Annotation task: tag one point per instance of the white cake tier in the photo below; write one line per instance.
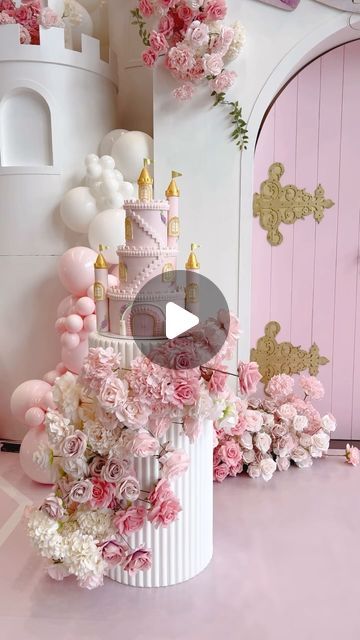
(127, 347)
(183, 549)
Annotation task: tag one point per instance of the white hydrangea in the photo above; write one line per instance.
(44, 533)
(96, 523)
(57, 428)
(66, 394)
(238, 42)
(100, 439)
(84, 557)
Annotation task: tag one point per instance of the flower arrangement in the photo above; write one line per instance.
(196, 47)
(106, 419)
(271, 433)
(29, 15)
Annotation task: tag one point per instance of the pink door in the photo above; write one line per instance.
(310, 283)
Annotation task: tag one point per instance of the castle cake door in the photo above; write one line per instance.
(306, 228)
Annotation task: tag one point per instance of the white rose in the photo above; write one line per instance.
(254, 421)
(262, 441)
(301, 457)
(268, 420)
(197, 34)
(246, 440)
(267, 468)
(328, 423)
(254, 471)
(300, 423)
(287, 411)
(305, 440)
(213, 64)
(249, 456)
(283, 463)
(57, 428)
(321, 441)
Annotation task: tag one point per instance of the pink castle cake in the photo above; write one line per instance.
(152, 236)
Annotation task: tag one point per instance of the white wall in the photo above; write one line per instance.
(216, 205)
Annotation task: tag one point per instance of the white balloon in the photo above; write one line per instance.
(116, 200)
(109, 174)
(94, 171)
(109, 140)
(92, 157)
(129, 152)
(107, 162)
(78, 208)
(118, 175)
(127, 190)
(90, 5)
(108, 228)
(109, 187)
(85, 25)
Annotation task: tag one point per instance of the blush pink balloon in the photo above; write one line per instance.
(47, 401)
(50, 377)
(66, 305)
(34, 417)
(60, 368)
(26, 395)
(70, 340)
(83, 335)
(90, 323)
(90, 292)
(35, 439)
(85, 306)
(76, 269)
(74, 323)
(113, 281)
(60, 325)
(73, 358)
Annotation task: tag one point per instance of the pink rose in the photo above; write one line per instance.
(113, 392)
(130, 520)
(197, 34)
(222, 42)
(7, 5)
(221, 472)
(158, 42)
(312, 387)
(149, 57)
(49, 18)
(159, 426)
(215, 9)
(197, 71)
(129, 488)
(213, 64)
(25, 36)
(165, 512)
(23, 14)
(180, 58)
(352, 455)
(113, 552)
(146, 8)
(287, 411)
(143, 444)
(81, 491)
(96, 466)
(184, 93)
(217, 381)
(166, 26)
(174, 463)
(132, 413)
(162, 491)
(114, 470)
(185, 14)
(53, 506)
(249, 376)
(223, 82)
(231, 454)
(186, 391)
(102, 493)
(73, 446)
(192, 427)
(138, 560)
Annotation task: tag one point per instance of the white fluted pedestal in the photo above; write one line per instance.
(183, 549)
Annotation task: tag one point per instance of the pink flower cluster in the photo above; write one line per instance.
(192, 40)
(27, 15)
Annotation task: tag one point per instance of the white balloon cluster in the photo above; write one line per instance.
(97, 208)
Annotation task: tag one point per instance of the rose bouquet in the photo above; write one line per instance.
(29, 15)
(196, 46)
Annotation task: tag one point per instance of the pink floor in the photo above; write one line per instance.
(286, 566)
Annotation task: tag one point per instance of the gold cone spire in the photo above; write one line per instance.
(192, 262)
(145, 182)
(100, 260)
(173, 190)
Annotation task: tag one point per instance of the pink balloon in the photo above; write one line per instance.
(74, 323)
(113, 281)
(90, 323)
(26, 395)
(73, 358)
(60, 325)
(47, 401)
(60, 368)
(70, 340)
(65, 306)
(34, 417)
(90, 292)
(85, 306)
(76, 269)
(34, 440)
(83, 335)
(51, 376)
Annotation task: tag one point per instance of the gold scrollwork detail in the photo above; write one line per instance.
(276, 204)
(275, 357)
(168, 273)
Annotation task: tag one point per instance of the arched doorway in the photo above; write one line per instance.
(310, 283)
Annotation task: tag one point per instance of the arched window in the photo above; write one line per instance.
(25, 130)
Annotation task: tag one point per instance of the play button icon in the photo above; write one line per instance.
(178, 320)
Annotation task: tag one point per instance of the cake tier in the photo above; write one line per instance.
(183, 549)
(127, 347)
(145, 318)
(146, 223)
(138, 266)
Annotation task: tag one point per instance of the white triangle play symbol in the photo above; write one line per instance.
(178, 320)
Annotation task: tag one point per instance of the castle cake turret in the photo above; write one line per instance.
(151, 247)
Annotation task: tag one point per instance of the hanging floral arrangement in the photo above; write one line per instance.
(196, 46)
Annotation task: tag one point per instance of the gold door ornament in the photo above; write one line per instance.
(276, 204)
(275, 357)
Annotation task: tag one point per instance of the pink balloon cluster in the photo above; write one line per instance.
(75, 321)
